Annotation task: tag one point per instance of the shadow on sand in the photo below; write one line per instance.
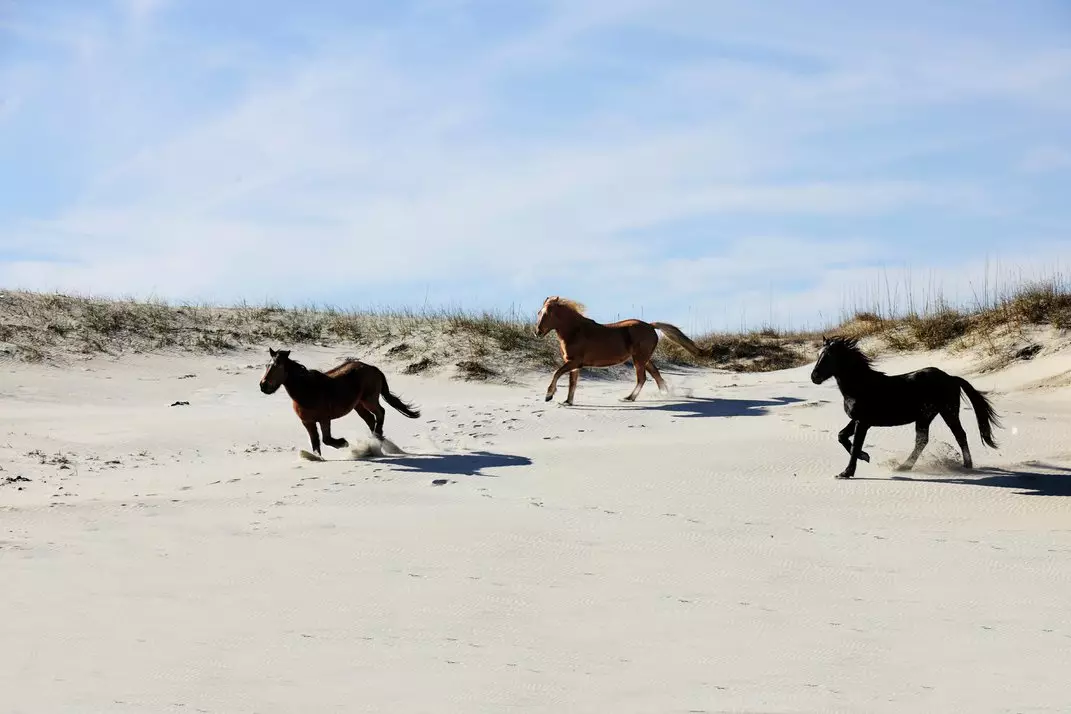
(1034, 479)
(467, 464)
(703, 406)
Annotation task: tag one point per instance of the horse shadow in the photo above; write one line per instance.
(1034, 480)
(466, 464)
(692, 407)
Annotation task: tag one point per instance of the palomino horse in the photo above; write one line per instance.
(586, 343)
(873, 398)
(320, 397)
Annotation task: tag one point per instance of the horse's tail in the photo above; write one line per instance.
(983, 410)
(406, 409)
(675, 335)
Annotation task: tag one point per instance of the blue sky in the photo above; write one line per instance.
(714, 163)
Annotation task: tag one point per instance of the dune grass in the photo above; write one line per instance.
(490, 346)
(40, 326)
(1009, 312)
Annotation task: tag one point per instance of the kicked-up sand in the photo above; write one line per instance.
(688, 553)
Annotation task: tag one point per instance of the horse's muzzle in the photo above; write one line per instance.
(268, 388)
(815, 377)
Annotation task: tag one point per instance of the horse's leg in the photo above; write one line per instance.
(381, 415)
(922, 437)
(641, 377)
(574, 377)
(657, 377)
(567, 367)
(325, 427)
(844, 438)
(857, 449)
(314, 436)
(370, 420)
(951, 417)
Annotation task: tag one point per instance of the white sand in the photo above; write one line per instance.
(668, 556)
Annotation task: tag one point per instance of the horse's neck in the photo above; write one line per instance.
(570, 326)
(299, 385)
(854, 384)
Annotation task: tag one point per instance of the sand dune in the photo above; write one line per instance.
(679, 554)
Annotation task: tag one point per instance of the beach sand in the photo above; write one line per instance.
(688, 553)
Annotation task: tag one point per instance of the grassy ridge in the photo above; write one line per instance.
(985, 326)
(37, 326)
(40, 326)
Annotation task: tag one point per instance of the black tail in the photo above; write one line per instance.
(406, 409)
(983, 409)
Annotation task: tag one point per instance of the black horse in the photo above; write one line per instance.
(873, 398)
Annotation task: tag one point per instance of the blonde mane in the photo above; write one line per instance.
(573, 305)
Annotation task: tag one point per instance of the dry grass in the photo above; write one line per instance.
(49, 327)
(759, 351)
(1010, 313)
(39, 327)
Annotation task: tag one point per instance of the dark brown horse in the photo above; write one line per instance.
(586, 343)
(320, 397)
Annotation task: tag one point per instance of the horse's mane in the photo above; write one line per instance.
(573, 305)
(295, 365)
(850, 347)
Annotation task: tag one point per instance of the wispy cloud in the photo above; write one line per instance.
(667, 155)
(1045, 159)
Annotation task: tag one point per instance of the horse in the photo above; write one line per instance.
(586, 343)
(318, 397)
(873, 398)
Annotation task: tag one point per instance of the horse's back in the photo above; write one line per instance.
(353, 374)
(347, 367)
(634, 327)
(928, 377)
(631, 322)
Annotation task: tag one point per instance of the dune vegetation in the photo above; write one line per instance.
(51, 327)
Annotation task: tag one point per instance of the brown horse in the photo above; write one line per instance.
(320, 397)
(586, 343)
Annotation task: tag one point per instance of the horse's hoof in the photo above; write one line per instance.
(843, 475)
(567, 403)
(905, 467)
(549, 397)
(864, 456)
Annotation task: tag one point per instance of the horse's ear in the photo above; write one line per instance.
(271, 352)
(285, 354)
(825, 340)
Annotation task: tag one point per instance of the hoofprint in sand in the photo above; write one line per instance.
(669, 555)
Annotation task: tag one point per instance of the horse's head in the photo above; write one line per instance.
(823, 368)
(545, 320)
(837, 354)
(275, 372)
(557, 312)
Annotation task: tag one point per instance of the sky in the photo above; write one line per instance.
(714, 163)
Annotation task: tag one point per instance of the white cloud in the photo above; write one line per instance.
(380, 172)
(1046, 159)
